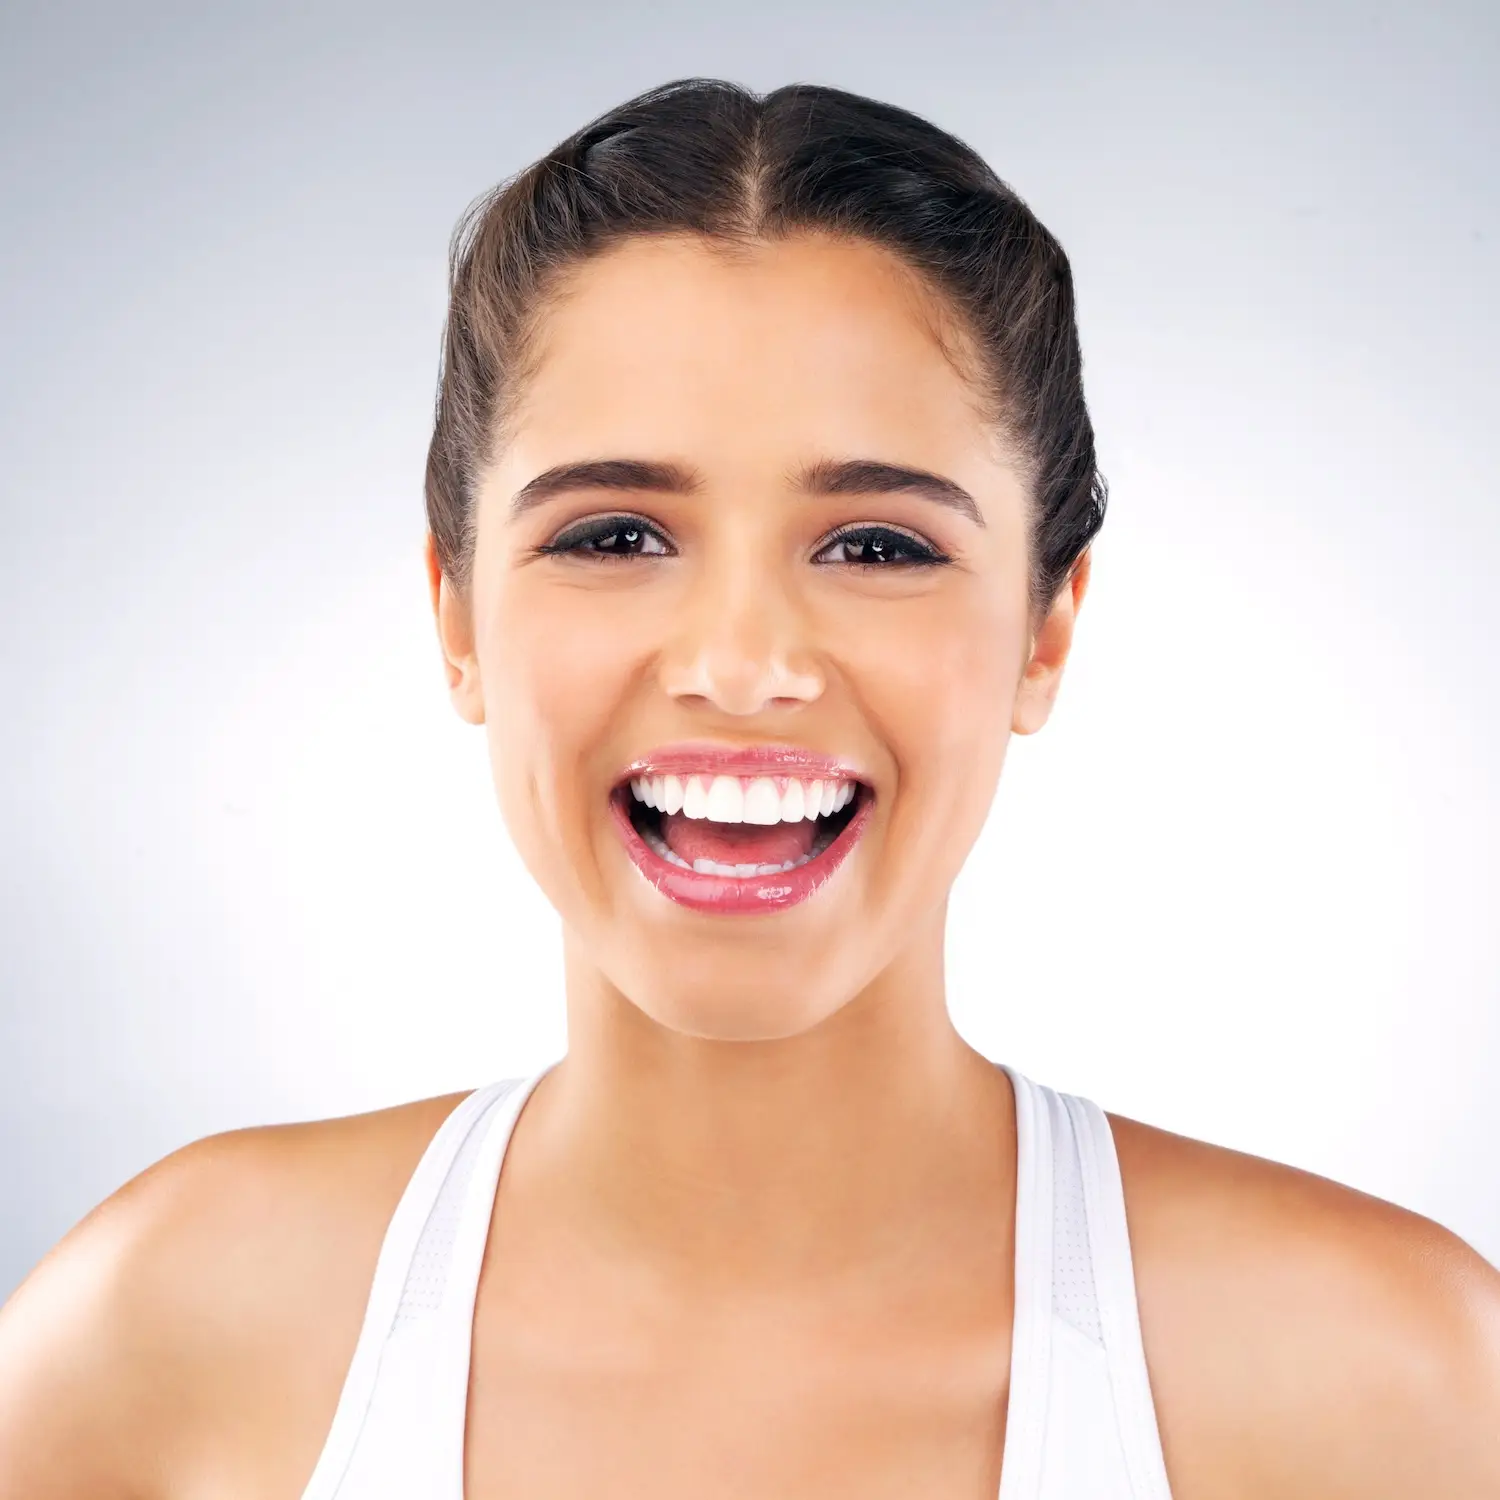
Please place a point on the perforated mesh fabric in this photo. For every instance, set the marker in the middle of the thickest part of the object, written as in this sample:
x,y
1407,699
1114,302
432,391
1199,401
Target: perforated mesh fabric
x,y
1075,1297
422,1292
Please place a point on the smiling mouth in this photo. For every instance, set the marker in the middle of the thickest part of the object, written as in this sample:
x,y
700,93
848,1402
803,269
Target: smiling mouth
x,y
730,842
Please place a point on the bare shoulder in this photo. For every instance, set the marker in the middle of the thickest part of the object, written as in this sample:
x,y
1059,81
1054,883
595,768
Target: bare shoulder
x,y
1306,1339
203,1317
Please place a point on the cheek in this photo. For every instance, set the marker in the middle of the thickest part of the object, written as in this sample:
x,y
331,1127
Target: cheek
x,y
937,680
941,676
553,671
971,684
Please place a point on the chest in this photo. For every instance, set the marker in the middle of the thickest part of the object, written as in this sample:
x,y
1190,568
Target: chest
x,y
754,1416
541,1364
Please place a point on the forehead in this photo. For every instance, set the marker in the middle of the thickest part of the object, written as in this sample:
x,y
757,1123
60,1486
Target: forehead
x,y
808,342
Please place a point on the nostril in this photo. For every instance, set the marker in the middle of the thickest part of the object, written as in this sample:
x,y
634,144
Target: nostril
x,y
742,687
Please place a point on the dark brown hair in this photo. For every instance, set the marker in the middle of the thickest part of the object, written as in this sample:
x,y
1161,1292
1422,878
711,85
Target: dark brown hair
x,y
709,157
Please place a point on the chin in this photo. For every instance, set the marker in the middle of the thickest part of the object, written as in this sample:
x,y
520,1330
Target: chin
x,y
770,991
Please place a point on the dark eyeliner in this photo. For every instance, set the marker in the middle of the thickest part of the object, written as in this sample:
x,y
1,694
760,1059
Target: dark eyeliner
x,y
923,553
573,538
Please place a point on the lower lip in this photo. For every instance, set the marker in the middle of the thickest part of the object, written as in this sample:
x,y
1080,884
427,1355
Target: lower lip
x,y
730,894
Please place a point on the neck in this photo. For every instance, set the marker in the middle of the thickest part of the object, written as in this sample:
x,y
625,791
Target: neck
x,y
866,1141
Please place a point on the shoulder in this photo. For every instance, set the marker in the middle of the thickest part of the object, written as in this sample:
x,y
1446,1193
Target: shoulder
x,y
1304,1338
210,1304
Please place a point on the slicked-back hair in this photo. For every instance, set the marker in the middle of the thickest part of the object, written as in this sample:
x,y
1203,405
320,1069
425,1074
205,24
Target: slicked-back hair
x,y
712,158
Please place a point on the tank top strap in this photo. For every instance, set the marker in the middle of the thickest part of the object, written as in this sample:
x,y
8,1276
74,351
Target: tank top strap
x,y
1075,1271
398,1428
1031,1329
1115,1305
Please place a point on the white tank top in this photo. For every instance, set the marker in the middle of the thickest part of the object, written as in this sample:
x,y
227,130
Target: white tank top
x,y
1080,1424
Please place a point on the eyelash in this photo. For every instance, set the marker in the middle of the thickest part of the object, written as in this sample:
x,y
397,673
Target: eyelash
x,y
920,554
574,540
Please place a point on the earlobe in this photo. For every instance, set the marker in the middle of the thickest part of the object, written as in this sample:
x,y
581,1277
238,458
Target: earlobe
x,y
1034,697
1042,675
455,630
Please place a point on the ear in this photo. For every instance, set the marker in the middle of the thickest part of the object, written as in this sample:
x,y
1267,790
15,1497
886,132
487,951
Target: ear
x,y
455,628
1049,653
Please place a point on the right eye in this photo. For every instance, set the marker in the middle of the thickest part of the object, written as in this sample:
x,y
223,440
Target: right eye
x,y
608,536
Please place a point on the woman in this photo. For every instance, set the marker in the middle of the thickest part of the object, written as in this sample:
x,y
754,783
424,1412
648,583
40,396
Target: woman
x,y
760,504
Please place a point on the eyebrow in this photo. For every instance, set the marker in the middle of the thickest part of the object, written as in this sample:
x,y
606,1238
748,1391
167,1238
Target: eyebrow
x,y
855,476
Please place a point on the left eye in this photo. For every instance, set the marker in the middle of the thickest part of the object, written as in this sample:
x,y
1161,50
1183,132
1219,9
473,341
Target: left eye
x,y
878,546
609,536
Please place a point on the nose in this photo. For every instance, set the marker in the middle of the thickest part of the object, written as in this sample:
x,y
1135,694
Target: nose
x,y
741,646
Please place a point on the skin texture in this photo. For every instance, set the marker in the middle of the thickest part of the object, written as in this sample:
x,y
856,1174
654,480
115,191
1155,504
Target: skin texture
x,y
823,1253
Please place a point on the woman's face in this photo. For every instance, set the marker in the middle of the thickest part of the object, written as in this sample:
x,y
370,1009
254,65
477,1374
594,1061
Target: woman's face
x,y
748,678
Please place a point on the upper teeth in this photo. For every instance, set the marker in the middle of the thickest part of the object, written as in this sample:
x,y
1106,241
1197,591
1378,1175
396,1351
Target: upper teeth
x,y
748,799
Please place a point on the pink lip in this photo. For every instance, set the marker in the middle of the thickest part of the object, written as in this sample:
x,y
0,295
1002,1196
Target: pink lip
x,y
731,895
709,759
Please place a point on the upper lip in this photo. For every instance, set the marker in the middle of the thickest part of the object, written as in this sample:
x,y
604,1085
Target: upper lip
x,y
708,758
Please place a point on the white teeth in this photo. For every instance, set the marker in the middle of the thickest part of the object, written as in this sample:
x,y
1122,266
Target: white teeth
x,y
726,800
762,801
659,845
739,872
695,798
790,810
732,799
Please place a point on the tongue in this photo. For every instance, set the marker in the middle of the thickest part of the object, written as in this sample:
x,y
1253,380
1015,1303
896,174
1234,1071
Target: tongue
x,y
736,843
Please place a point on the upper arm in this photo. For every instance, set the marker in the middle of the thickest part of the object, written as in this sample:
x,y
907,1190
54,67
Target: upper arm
x,y
192,1334
1423,1412
86,1351
1306,1340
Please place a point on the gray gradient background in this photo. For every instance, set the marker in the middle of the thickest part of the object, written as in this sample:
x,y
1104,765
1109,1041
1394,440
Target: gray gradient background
x,y
1244,885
